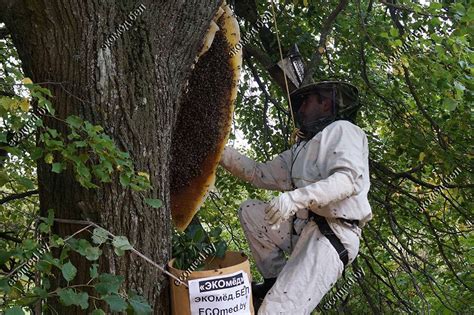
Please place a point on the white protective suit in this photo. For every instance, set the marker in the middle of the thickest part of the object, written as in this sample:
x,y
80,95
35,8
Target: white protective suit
x,y
331,176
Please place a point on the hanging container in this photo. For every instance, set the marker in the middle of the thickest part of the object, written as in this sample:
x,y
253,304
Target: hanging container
x,y
221,291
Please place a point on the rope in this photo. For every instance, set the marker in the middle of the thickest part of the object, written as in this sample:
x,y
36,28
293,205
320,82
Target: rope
x,y
295,130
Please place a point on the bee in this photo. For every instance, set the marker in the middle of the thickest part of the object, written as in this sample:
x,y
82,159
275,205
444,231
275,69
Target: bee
x,y
204,120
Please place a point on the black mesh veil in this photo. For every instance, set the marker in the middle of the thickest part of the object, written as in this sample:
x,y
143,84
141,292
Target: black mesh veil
x,y
345,100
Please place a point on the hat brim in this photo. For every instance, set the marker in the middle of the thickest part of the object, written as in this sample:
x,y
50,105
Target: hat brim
x,y
295,96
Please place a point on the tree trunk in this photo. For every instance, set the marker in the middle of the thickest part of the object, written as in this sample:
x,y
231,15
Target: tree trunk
x,y
132,88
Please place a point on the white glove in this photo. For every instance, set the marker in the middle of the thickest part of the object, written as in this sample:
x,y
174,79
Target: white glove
x,y
279,209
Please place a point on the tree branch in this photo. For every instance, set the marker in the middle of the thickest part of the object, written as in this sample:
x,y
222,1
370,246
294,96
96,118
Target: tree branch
x,y
327,25
404,8
263,88
18,196
135,251
6,236
434,125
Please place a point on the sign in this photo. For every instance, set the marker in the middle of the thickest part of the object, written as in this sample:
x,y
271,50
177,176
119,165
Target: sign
x,y
220,295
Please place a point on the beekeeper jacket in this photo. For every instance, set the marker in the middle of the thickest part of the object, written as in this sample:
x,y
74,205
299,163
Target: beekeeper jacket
x,y
329,174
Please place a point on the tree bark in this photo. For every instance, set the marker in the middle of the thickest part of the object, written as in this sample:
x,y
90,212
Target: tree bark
x,y
132,88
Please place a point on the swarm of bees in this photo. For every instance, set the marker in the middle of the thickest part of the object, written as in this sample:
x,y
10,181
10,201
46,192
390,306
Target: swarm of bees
x,y
205,118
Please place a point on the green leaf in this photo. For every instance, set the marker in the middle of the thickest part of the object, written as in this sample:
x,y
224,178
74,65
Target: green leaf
x,y
118,251
83,171
139,304
44,103
26,182
422,156
44,228
53,261
83,300
155,203
4,256
53,132
394,32
116,302
81,246
199,236
41,292
56,241
64,253
43,266
93,253
74,121
15,310
4,285
124,179
50,218
100,236
450,104
93,271
101,173
80,144
69,297
69,271
4,178
98,312
221,248
216,232
39,122
49,158
108,283
57,167
13,151
29,244
397,43
121,242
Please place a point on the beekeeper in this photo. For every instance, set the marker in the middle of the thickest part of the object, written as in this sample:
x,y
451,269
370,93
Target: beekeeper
x,y
319,216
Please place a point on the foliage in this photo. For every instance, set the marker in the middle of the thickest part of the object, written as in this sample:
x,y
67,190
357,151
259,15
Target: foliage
x,y
417,101
95,159
100,286
413,64
189,244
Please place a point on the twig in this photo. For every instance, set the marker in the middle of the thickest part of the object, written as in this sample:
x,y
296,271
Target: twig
x,y
214,196
18,196
5,236
327,25
77,232
399,7
418,104
263,88
136,252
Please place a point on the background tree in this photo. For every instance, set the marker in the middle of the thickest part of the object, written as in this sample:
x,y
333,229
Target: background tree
x,y
413,65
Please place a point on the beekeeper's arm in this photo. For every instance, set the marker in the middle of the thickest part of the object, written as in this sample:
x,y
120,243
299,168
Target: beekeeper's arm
x,y
342,154
272,175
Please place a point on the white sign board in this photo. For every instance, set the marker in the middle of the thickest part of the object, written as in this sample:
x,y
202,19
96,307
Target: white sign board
x,y
220,295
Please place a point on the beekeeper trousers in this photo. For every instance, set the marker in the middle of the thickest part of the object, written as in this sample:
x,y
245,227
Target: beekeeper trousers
x,y
313,267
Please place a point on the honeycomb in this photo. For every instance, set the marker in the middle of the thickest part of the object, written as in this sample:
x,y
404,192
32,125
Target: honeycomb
x,y
205,118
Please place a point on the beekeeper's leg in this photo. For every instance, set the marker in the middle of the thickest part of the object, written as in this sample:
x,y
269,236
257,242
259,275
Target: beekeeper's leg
x,y
267,245
312,269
